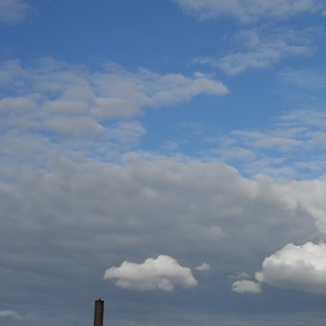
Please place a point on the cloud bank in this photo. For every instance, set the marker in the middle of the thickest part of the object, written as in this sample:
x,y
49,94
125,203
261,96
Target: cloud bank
x,y
163,273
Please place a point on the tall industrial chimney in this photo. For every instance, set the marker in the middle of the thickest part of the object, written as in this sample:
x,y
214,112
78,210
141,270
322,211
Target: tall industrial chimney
x,y
98,312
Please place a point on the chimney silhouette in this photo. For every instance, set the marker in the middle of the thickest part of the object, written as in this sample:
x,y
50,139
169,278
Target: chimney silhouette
x,y
98,312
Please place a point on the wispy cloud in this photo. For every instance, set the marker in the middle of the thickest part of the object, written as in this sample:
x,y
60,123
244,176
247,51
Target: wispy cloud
x,y
311,80
259,50
13,11
294,146
10,314
251,10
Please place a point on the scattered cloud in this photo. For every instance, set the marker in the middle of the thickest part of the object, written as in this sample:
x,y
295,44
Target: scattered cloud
x,y
203,267
247,11
72,102
301,268
163,273
262,51
246,286
13,11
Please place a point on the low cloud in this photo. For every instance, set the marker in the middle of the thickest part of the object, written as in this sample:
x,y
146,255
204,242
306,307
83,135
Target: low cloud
x,y
163,273
301,268
246,286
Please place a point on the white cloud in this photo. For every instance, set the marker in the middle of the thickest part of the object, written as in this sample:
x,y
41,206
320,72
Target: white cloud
x,y
247,11
13,11
294,267
203,267
163,273
261,51
246,286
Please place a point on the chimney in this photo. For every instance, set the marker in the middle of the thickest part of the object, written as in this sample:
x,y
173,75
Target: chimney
x,y
98,312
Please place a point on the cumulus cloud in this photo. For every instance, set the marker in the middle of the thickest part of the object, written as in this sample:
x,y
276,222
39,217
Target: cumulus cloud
x,y
13,11
301,268
163,273
261,51
203,267
247,11
246,286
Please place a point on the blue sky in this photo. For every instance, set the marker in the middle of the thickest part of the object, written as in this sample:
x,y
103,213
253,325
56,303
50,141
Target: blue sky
x,y
167,156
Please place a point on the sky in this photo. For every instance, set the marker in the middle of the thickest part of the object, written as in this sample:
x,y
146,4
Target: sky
x,y
166,156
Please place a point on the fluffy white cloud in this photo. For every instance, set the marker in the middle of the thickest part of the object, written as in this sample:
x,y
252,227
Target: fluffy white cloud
x,y
300,268
163,273
246,286
13,11
247,11
261,51
203,267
